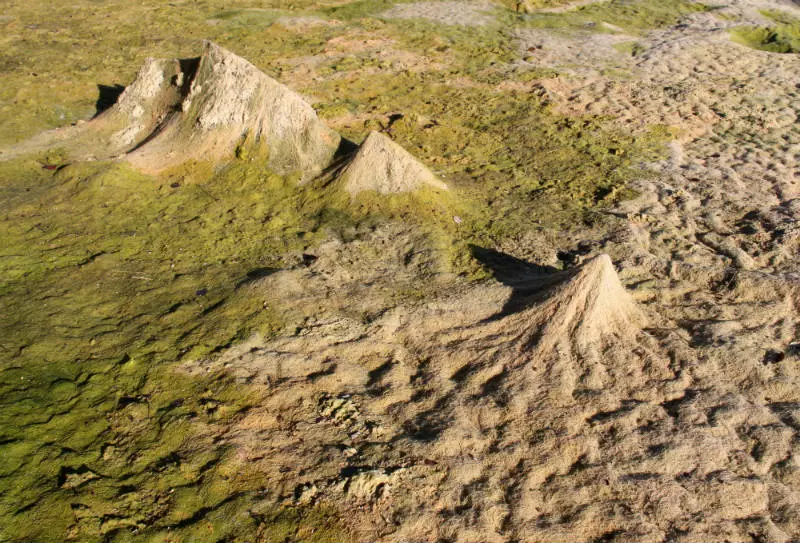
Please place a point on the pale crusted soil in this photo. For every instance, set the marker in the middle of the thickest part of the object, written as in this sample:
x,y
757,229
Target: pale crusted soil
x,y
552,409
732,175
449,13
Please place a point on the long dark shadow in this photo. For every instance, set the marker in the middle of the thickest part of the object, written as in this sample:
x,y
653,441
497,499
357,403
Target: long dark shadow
x,y
526,279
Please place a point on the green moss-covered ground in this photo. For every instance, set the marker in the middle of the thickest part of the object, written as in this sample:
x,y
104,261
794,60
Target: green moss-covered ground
x,y
109,278
781,37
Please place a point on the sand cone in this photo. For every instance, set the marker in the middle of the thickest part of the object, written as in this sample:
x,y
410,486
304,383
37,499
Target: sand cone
x,y
231,104
588,307
383,166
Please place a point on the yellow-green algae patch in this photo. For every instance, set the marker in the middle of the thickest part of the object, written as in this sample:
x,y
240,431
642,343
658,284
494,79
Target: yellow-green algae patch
x,y
516,165
781,37
109,278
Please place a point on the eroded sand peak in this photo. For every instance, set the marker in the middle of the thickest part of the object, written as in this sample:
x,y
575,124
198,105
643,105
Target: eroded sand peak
x,y
231,103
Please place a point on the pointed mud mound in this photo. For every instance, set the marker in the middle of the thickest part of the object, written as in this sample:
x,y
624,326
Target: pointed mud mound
x,y
587,306
577,334
204,108
383,166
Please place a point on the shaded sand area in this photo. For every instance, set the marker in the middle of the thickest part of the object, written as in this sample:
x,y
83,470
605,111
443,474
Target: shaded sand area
x,y
420,271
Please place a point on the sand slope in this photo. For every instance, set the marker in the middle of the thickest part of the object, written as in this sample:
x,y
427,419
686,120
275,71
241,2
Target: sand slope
x,y
477,403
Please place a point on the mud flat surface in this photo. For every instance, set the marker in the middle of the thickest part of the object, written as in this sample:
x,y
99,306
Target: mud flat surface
x,y
421,271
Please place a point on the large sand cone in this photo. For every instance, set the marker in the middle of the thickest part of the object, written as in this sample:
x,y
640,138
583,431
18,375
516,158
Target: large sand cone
x,y
230,103
383,166
204,108
578,333
556,333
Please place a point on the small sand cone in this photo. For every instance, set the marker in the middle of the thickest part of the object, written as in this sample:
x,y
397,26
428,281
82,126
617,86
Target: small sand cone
x,y
383,166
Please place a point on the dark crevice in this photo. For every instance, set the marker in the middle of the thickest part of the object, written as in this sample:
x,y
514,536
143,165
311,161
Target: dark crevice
x,y
107,96
203,511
